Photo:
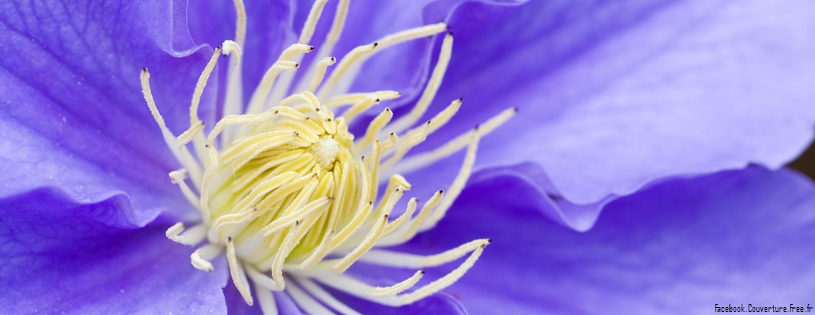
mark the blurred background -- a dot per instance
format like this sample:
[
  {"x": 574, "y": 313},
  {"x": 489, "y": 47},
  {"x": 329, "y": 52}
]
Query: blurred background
[{"x": 806, "y": 162}]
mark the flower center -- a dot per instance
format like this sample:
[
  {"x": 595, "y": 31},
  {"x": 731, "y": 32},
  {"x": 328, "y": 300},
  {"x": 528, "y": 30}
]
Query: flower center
[
  {"x": 292, "y": 197},
  {"x": 325, "y": 150}
]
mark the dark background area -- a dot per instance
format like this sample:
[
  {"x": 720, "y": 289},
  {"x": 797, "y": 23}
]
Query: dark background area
[{"x": 806, "y": 162}]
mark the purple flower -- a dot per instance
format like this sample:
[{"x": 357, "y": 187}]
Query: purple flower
[{"x": 621, "y": 106}]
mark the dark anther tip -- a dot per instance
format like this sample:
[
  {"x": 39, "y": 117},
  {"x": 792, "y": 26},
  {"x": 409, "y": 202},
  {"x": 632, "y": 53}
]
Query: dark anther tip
[
  {"x": 333, "y": 59},
  {"x": 441, "y": 191},
  {"x": 144, "y": 69},
  {"x": 515, "y": 109},
  {"x": 421, "y": 272},
  {"x": 450, "y": 33},
  {"x": 376, "y": 44},
  {"x": 386, "y": 216},
  {"x": 393, "y": 133},
  {"x": 206, "y": 145},
  {"x": 460, "y": 99},
  {"x": 489, "y": 241},
  {"x": 377, "y": 100},
  {"x": 229, "y": 239},
  {"x": 476, "y": 127},
  {"x": 310, "y": 48},
  {"x": 370, "y": 202}
]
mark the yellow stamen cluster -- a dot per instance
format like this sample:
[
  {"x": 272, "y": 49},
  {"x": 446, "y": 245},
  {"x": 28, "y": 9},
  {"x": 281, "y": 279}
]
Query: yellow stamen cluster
[{"x": 291, "y": 197}]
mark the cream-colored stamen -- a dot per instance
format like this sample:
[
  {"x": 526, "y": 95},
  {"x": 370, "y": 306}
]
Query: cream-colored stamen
[
  {"x": 399, "y": 287},
  {"x": 406, "y": 233},
  {"x": 328, "y": 45},
  {"x": 322, "y": 66},
  {"x": 266, "y": 301},
  {"x": 402, "y": 260},
  {"x": 233, "y": 102},
  {"x": 424, "y": 159},
  {"x": 430, "y": 89},
  {"x": 201, "y": 257},
  {"x": 290, "y": 196},
  {"x": 178, "y": 177},
  {"x": 325, "y": 297},
  {"x": 350, "y": 64},
  {"x": 305, "y": 37},
  {"x": 305, "y": 301},
  {"x": 373, "y": 129},
  {"x": 237, "y": 273},
  {"x": 168, "y": 136}
]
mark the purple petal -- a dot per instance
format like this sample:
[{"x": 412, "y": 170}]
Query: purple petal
[
  {"x": 616, "y": 95},
  {"x": 62, "y": 256},
  {"x": 678, "y": 247},
  {"x": 70, "y": 82}
]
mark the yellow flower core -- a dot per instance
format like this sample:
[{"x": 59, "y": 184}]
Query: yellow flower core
[{"x": 291, "y": 197}]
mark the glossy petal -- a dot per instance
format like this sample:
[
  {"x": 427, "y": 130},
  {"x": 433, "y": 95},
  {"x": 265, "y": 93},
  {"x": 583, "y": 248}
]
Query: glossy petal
[
  {"x": 615, "y": 95},
  {"x": 60, "y": 256},
  {"x": 69, "y": 80},
  {"x": 678, "y": 247}
]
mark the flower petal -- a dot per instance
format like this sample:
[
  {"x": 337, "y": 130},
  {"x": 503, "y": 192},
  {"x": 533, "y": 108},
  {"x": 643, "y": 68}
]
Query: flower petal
[
  {"x": 678, "y": 247},
  {"x": 73, "y": 115},
  {"x": 616, "y": 95},
  {"x": 60, "y": 256}
]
